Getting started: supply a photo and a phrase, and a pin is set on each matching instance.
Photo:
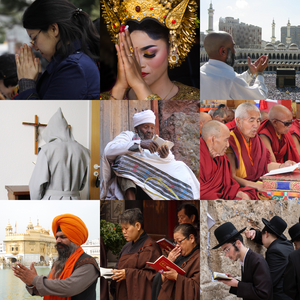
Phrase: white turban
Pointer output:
(146, 116)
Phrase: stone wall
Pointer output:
(179, 123)
(241, 214)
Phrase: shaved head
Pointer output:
(243, 110)
(214, 41)
(230, 115)
(280, 112)
(204, 117)
(213, 128)
(264, 115)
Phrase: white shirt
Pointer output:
(218, 81)
(243, 262)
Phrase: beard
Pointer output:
(230, 58)
(147, 136)
(63, 254)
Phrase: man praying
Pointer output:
(136, 168)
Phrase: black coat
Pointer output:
(291, 281)
(256, 283)
(277, 259)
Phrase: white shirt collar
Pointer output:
(242, 262)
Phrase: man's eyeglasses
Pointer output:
(227, 250)
(32, 42)
(179, 242)
(286, 124)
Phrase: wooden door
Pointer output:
(95, 148)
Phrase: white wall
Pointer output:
(17, 140)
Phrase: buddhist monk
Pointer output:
(204, 117)
(249, 157)
(275, 134)
(229, 115)
(295, 132)
(215, 173)
(219, 115)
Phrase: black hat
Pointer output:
(8, 66)
(294, 232)
(276, 226)
(225, 233)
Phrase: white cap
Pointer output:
(146, 116)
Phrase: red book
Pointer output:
(161, 264)
(163, 243)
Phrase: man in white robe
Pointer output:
(62, 164)
(135, 156)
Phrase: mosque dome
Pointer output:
(281, 46)
(269, 46)
(293, 46)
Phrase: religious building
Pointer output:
(36, 245)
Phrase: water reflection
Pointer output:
(12, 288)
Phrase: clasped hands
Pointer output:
(129, 69)
(28, 66)
(259, 65)
(152, 146)
(25, 274)
(119, 275)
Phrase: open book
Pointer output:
(160, 265)
(283, 170)
(220, 276)
(165, 244)
(162, 142)
(106, 273)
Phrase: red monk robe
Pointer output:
(295, 129)
(231, 124)
(260, 155)
(216, 181)
(283, 150)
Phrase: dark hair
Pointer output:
(153, 28)
(221, 106)
(132, 216)
(189, 210)
(234, 239)
(186, 230)
(219, 112)
(8, 70)
(267, 229)
(73, 25)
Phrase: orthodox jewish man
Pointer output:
(74, 274)
(291, 280)
(256, 283)
(278, 250)
(140, 164)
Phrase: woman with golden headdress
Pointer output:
(157, 35)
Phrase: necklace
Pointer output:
(170, 91)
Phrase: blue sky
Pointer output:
(255, 12)
(46, 211)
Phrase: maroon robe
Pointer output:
(283, 150)
(187, 286)
(260, 155)
(139, 275)
(216, 181)
(231, 124)
(295, 129)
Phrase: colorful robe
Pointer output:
(216, 179)
(283, 150)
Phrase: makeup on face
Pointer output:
(149, 51)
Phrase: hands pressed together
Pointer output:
(28, 66)
(129, 70)
(25, 274)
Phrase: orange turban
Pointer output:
(72, 226)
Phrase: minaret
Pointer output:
(273, 38)
(210, 18)
(288, 36)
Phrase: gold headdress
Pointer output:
(179, 16)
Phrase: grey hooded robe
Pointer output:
(62, 164)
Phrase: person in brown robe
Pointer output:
(172, 286)
(132, 277)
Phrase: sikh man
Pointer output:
(204, 117)
(249, 158)
(220, 115)
(215, 172)
(140, 166)
(275, 134)
(256, 282)
(217, 76)
(291, 279)
(74, 274)
(278, 250)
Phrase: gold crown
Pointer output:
(179, 16)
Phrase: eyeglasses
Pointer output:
(179, 242)
(32, 42)
(227, 250)
(286, 124)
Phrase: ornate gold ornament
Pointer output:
(179, 16)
